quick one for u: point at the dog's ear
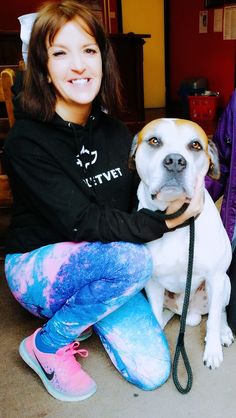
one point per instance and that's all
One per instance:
(214, 167)
(134, 146)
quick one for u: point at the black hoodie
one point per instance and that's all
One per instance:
(72, 183)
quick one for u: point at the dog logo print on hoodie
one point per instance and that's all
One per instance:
(86, 158)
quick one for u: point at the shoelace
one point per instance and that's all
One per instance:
(69, 351)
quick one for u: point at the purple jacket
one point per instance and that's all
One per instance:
(225, 140)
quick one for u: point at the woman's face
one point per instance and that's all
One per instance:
(74, 69)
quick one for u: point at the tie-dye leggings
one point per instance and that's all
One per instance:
(75, 285)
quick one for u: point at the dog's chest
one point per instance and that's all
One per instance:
(170, 251)
(170, 256)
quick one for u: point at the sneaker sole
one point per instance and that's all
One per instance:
(56, 394)
(84, 335)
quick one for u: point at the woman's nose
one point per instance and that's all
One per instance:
(77, 63)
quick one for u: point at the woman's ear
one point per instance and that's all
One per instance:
(214, 166)
(134, 146)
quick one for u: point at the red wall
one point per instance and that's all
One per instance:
(13, 9)
(199, 55)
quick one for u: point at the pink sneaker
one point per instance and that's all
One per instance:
(60, 373)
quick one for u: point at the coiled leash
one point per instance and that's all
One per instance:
(180, 347)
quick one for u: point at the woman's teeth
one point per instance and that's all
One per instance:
(80, 81)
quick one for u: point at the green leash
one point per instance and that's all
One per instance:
(180, 347)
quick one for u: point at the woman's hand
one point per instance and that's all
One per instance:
(195, 206)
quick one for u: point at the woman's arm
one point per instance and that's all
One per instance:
(45, 189)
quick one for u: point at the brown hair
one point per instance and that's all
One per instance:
(38, 96)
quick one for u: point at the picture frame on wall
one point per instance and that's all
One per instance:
(109, 12)
(98, 9)
(213, 3)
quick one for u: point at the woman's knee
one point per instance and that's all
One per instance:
(132, 262)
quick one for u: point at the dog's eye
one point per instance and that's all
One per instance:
(154, 141)
(195, 145)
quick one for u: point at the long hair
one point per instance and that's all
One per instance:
(38, 98)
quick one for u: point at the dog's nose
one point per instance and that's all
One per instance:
(175, 162)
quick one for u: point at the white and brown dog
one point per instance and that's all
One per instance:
(169, 154)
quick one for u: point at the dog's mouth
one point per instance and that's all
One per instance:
(170, 191)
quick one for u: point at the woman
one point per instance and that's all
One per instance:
(75, 250)
(225, 140)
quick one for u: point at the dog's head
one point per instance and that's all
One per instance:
(169, 154)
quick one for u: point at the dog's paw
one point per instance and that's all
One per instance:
(167, 315)
(193, 319)
(213, 355)
(226, 336)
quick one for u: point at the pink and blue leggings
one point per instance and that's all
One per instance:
(75, 285)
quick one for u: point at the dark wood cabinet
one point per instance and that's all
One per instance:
(129, 53)
(10, 47)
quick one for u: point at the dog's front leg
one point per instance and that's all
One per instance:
(218, 331)
(155, 293)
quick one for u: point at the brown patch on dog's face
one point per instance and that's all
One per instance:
(214, 166)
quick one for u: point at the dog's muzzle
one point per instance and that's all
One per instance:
(173, 181)
(175, 163)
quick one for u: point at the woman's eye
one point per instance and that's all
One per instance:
(196, 146)
(154, 141)
(90, 51)
(58, 53)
